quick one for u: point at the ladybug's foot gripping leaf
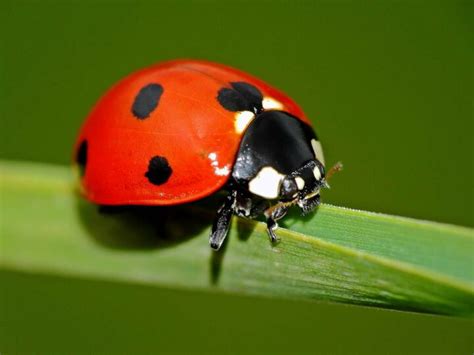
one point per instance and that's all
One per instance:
(272, 226)
(221, 224)
(273, 214)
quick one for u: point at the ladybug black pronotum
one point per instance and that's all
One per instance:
(181, 130)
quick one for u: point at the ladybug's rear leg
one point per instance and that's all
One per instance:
(221, 224)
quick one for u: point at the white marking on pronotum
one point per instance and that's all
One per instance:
(317, 173)
(299, 183)
(267, 183)
(242, 120)
(215, 164)
(318, 150)
(270, 103)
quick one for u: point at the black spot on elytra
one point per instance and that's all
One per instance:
(159, 170)
(231, 100)
(81, 157)
(242, 97)
(146, 100)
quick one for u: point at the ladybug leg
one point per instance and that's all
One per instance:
(243, 206)
(248, 207)
(221, 224)
(273, 214)
(258, 208)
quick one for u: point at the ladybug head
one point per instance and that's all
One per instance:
(302, 186)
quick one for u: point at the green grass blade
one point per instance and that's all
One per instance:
(336, 255)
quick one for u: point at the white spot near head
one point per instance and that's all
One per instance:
(222, 171)
(317, 173)
(267, 183)
(270, 103)
(299, 183)
(318, 151)
(212, 156)
(215, 164)
(242, 120)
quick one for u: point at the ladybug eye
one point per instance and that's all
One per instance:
(289, 188)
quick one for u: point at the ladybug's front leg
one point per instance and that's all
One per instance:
(273, 214)
(221, 224)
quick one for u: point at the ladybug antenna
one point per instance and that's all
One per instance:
(335, 168)
(324, 184)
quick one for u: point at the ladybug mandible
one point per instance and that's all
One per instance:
(179, 131)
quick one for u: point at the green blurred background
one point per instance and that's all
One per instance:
(388, 85)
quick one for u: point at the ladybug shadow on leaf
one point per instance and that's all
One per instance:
(295, 216)
(154, 227)
(141, 227)
(244, 230)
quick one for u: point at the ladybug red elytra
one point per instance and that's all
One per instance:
(181, 130)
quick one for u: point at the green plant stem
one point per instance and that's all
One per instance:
(338, 254)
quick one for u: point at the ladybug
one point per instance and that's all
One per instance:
(181, 130)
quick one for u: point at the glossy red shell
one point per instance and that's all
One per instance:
(188, 127)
